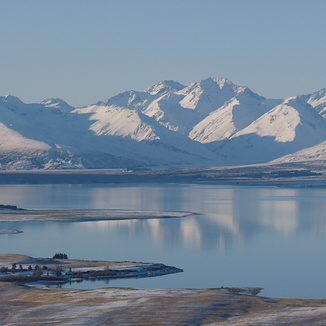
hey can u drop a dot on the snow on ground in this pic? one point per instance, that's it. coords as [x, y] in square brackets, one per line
[287, 316]
[317, 152]
[114, 306]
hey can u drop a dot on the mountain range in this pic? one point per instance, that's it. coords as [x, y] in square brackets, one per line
[209, 123]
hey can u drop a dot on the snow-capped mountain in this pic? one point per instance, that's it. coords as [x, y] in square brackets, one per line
[209, 123]
[286, 128]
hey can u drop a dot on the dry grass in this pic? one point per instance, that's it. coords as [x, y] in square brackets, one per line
[12, 258]
[111, 306]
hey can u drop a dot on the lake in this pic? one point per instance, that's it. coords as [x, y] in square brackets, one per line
[267, 237]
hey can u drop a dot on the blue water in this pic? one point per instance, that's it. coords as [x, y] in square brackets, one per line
[245, 236]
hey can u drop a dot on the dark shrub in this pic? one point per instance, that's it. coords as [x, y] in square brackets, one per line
[60, 256]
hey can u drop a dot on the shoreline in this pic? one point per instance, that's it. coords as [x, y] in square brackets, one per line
[114, 306]
[295, 174]
[130, 306]
[85, 215]
[25, 270]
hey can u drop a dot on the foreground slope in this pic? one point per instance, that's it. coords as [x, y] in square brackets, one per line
[112, 306]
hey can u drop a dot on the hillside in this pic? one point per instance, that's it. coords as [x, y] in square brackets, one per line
[209, 123]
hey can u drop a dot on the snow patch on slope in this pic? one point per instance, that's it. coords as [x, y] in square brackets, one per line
[11, 140]
[317, 152]
[318, 101]
[117, 121]
[232, 117]
[280, 122]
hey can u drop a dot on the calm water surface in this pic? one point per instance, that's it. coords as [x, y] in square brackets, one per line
[245, 236]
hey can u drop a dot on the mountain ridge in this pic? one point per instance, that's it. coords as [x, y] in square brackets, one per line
[209, 123]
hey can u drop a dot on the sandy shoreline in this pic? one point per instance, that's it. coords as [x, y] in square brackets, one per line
[80, 215]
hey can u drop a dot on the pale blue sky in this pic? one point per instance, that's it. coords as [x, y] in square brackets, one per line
[86, 51]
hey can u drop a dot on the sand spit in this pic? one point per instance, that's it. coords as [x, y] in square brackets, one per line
[80, 215]
[7, 231]
[47, 272]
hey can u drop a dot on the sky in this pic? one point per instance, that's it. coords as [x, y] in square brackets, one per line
[87, 51]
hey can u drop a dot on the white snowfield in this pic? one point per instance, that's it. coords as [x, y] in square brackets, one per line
[209, 123]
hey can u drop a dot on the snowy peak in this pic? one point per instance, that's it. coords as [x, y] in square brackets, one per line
[177, 107]
[10, 102]
[318, 101]
[317, 98]
[286, 128]
[209, 94]
[223, 83]
[280, 122]
[235, 115]
[10, 99]
[130, 99]
[163, 87]
[58, 104]
[287, 121]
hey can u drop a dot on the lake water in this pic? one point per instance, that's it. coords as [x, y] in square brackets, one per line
[273, 238]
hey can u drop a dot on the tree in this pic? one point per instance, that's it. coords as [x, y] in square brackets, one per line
[60, 256]
[37, 271]
[58, 270]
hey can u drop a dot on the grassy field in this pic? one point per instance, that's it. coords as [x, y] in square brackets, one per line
[111, 306]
